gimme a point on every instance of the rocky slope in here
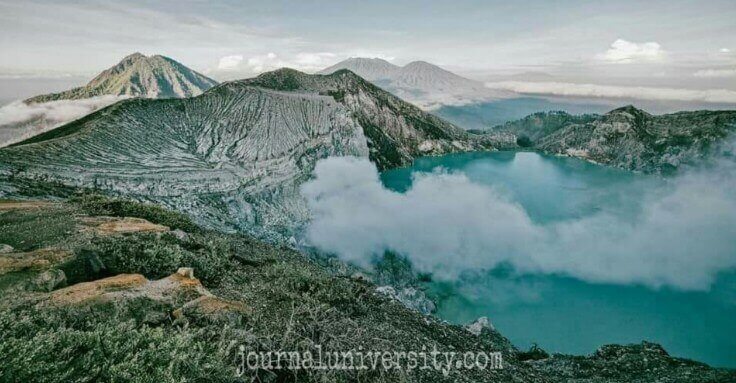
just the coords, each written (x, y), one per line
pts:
(234, 156)
(137, 75)
(419, 82)
(627, 137)
(166, 301)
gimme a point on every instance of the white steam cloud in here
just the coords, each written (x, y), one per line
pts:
(613, 91)
(446, 224)
(19, 120)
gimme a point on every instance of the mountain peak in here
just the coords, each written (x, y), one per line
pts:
(420, 82)
(377, 69)
(134, 56)
(421, 64)
(368, 59)
(287, 79)
(630, 110)
(372, 69)
(138, 75)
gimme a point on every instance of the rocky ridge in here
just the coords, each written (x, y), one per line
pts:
(627, 138)
(234, 156)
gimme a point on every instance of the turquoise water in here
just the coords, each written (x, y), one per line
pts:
(568, 315)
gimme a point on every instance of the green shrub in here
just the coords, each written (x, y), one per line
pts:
(394, 269)
(157, 256)
(534, 353)
(524, 142)
(39, 346)
(95, 204)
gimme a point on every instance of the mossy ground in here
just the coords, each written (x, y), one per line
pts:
(294, 304)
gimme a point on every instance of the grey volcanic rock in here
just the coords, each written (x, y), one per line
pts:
(644, 362)
(48, 280)
(419, 82)
(627, 137)
(480, 324)
(396, 130)
(234, 157)
(410, 297)
(139, 76)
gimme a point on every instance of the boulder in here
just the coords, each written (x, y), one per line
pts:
(48, 281)
(186, 272)
(211, 308)
(180, 234)
(410, 297)
(123, 287)
(32, 260)
(119, 225)
(477, 327)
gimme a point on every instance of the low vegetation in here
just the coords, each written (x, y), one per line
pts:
(294, 304)
(286, 301)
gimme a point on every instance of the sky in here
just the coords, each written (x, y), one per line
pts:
(675, 44)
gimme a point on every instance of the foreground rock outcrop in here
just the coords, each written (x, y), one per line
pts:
(40, 259)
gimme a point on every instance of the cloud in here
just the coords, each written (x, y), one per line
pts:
(709, 73)
(303, 61)
(446, 224)
(624, 52)
(230, 62)
(19, 120)
(314, 61)
(724, 50)
(19, 75)
(613, 91)
(270, 61)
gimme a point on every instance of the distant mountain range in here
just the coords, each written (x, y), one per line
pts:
(134, 76)
(138, 75)
(626, 137)
(419, 82)
(233, 157)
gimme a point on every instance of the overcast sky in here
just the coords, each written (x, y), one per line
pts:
(689, 44)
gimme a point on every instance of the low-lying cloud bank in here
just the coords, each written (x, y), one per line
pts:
(446, 224)
(611, 91)
(19, 120)
(715, 73)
